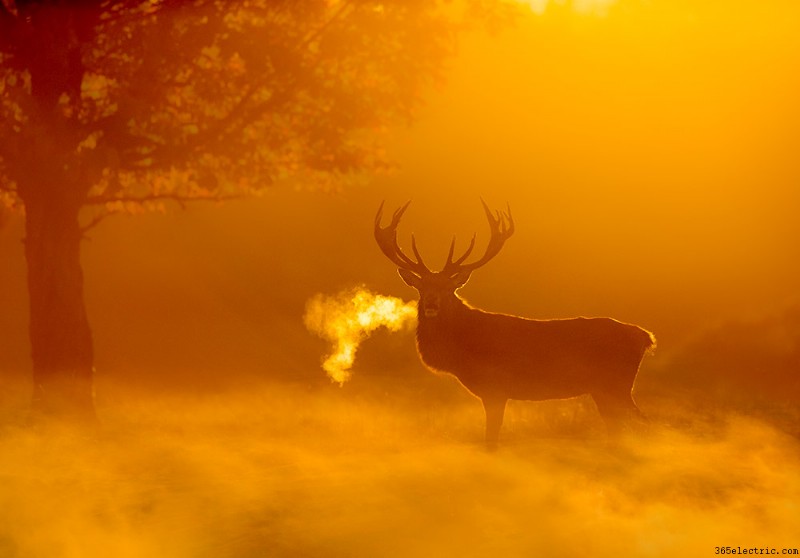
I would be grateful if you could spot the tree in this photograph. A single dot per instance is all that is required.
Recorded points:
(125, 105)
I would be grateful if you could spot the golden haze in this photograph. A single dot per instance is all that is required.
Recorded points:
(649, 153)
(284, 472)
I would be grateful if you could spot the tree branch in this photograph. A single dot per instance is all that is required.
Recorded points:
(180, 199)
(243, 108)
(316, 33)
(96, 220)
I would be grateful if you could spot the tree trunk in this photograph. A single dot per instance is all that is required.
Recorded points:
(52, 177)
(61, 340)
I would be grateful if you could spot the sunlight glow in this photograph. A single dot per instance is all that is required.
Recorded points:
(595, 7)
(348, 318)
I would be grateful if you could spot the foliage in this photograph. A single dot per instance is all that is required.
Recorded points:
(148, 101)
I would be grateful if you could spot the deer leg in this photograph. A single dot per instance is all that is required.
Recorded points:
(619, 412)
(495, 409)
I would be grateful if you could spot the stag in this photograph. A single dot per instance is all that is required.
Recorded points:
(498, 357)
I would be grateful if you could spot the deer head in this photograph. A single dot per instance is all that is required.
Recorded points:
(437, 288)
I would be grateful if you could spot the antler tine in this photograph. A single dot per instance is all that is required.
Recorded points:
(487, 210)
(495, 222)
(398, 213)
(466, 254)
(501, 227)
(510, 219)
(386, 237)
(452, 249)
(416, 252)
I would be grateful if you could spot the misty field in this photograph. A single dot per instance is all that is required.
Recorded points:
(289, 471)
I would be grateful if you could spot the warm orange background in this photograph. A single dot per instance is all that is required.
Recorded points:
(649, 153)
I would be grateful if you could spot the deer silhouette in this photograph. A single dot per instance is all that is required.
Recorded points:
(498, 357)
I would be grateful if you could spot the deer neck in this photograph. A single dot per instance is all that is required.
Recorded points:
(440, 339)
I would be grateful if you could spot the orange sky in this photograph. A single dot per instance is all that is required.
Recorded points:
(650, 157)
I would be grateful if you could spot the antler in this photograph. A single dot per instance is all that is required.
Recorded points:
(387, 242)
(501, 227)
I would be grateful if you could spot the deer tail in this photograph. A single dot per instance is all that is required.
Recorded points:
(649, 346)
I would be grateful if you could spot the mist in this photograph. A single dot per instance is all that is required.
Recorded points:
(648, 151)
(282, 472)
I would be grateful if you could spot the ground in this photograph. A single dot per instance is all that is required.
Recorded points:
(283, 470)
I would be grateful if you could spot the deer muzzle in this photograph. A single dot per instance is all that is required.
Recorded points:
(431, 306)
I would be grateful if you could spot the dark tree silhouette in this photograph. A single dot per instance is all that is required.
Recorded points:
(125, 105)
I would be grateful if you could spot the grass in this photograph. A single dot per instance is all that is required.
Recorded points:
(285, 471)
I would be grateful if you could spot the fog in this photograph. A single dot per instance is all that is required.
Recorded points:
(284, 472)
(649, 155)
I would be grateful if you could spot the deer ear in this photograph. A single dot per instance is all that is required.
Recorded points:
(410, 279)
(460, 279)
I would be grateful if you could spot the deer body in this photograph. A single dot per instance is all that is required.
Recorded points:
(499, 357)
(518, 358)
